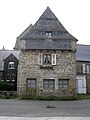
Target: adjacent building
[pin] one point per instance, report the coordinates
(83, 69)
(8, 68)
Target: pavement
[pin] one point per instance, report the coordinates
(12, 109)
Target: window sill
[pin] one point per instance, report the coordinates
(46, 66)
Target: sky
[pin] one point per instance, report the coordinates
(17, 15)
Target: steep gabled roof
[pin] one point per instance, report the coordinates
(47, 22)
(18, 44)
(35, 38)
(4, 54)
(83, 53)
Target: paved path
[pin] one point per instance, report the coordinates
(44, 118)
(31, 109)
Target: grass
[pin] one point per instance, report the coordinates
(49, 98)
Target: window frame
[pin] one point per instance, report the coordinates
(48, 34)
(52, 59)
(30, 84)
(11, 65)
(47, 60)
(50, 82)
(63, 84)
(88, 68)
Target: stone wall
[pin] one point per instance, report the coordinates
(65, 68)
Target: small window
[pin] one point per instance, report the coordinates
(48, 20)
(49, 84)
(48, 34)
(11, 65)
(47, 59)
(63, 83)
(88, 68)
(31, 82)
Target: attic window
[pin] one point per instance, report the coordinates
(11, 65)
(48, 34)
(48, 20)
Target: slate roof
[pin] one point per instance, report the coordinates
(83, 53)
(18, 44)
(4, 54)
(36, 37)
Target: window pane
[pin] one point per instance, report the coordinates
(65, 86)
(31, 83)
(48, 34)
(60, 81)
(88, 68)
(48, 83)
(46, 59)
(11, 65)
(60, 86)
(63, 83)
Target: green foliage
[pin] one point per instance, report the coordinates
(50, 98)
(5, 86)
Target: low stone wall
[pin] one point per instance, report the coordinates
(8, 93)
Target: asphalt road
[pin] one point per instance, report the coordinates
(26, 108)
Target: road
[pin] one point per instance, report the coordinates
(26, 108)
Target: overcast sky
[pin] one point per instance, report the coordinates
(17, 15)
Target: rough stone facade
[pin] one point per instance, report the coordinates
(65, 68)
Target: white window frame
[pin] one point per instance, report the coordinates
(11, 65)
(84, 68)
(88, 68)
(53, 59)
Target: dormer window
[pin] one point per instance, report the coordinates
(11, 65)
(48, 20)
(48, 34)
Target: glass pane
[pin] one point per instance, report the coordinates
(65, 86)
(45, 86)
(60, 86)
(46, 59)
(51, 86)
(65, 81)
(60, 82)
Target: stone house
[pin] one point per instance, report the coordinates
(47, 61)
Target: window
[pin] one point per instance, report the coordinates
(63, 83)
(31, 82)
(88, 68)
(48, 34)
(47, 59)
(49, 84)
(11, 65)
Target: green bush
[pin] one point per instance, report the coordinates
(51, 98)
(5, 86)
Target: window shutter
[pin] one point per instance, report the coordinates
(53, 59)
(84, 68)
(40, 59)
